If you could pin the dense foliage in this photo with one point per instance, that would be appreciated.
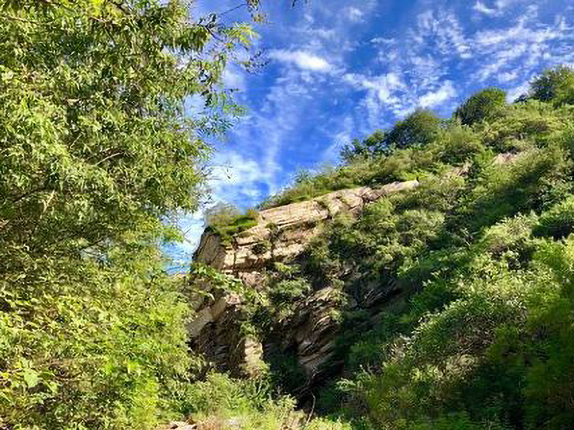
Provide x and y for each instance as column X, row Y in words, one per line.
column 555, row 86
column 226, row 220
column 96, row 153
column 481, row 106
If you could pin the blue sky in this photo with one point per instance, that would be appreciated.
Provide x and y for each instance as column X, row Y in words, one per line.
column 340, row 69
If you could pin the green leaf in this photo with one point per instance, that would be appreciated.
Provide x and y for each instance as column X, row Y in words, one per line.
column 31, row 377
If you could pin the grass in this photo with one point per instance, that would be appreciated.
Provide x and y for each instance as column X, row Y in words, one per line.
column 228, row 226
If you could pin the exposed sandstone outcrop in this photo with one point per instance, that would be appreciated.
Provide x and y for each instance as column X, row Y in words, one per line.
column 281, row 233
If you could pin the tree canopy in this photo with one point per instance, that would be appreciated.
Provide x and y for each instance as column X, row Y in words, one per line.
column 418, row 129
column 554, row 85
column 97, row 152
column 373, row 145
column 481, row 106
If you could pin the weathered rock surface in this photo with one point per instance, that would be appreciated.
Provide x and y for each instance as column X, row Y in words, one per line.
column 310, row 333
column 313, row 330
column 281, row 233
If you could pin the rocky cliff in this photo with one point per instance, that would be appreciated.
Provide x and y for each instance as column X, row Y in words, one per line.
column 281, row 235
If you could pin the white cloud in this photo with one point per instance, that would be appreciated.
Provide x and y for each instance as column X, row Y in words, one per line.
column 415, row 69
column 518, row 33
column 444, row 30
column 230, row 168
column 435, row 98
column 233, row 179
column 517, row 91
column 303, row 60
column 354, row 13
column 192, row 226
column 497, row 9
column 385, row 93
column 441, row 44
column 383, row 41
column 482, row 8
column 234, row 78
column 384, row 86
column 339, row 138
column 512, row 54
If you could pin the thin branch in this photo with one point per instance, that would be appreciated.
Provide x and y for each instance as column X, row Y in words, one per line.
column 310, row 413
column 215, row 36
column 16, row 18
column 5, row 223
column 29, row 193
column 46, row 205
column 233, row 9
column 116, row 154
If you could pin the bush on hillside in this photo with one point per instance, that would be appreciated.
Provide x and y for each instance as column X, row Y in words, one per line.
column 417, row 129
column 554, row 85
column 481, row 106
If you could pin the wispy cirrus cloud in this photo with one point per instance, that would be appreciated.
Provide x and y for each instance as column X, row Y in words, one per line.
column 493, row 8
column 442, row 54
column 353, row 13
column 303, row 60
column 434, row 98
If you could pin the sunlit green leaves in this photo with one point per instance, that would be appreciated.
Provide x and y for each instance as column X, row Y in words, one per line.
column 96, row 153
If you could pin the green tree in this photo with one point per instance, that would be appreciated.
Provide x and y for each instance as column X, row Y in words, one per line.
column 375, row 144
column 96, row 153
column 481, row 106
column 418, row 129
column 554, row 85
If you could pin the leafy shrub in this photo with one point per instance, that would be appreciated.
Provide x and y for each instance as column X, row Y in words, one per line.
column 246, row 403
column 454, row 421
column 510, row 235
column 373, row 146
column 558, row 221
column 554, row 85
column 526, row 125
column 76, row 351
column 227, row 222
column 418, row 129
column 456, row 145
column 505, row 190
column 325, row 424
column 483, row 105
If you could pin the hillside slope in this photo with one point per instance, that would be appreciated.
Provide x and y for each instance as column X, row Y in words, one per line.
column 447, row 303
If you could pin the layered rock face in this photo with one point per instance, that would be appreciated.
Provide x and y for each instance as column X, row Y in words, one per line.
column 281, row 234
